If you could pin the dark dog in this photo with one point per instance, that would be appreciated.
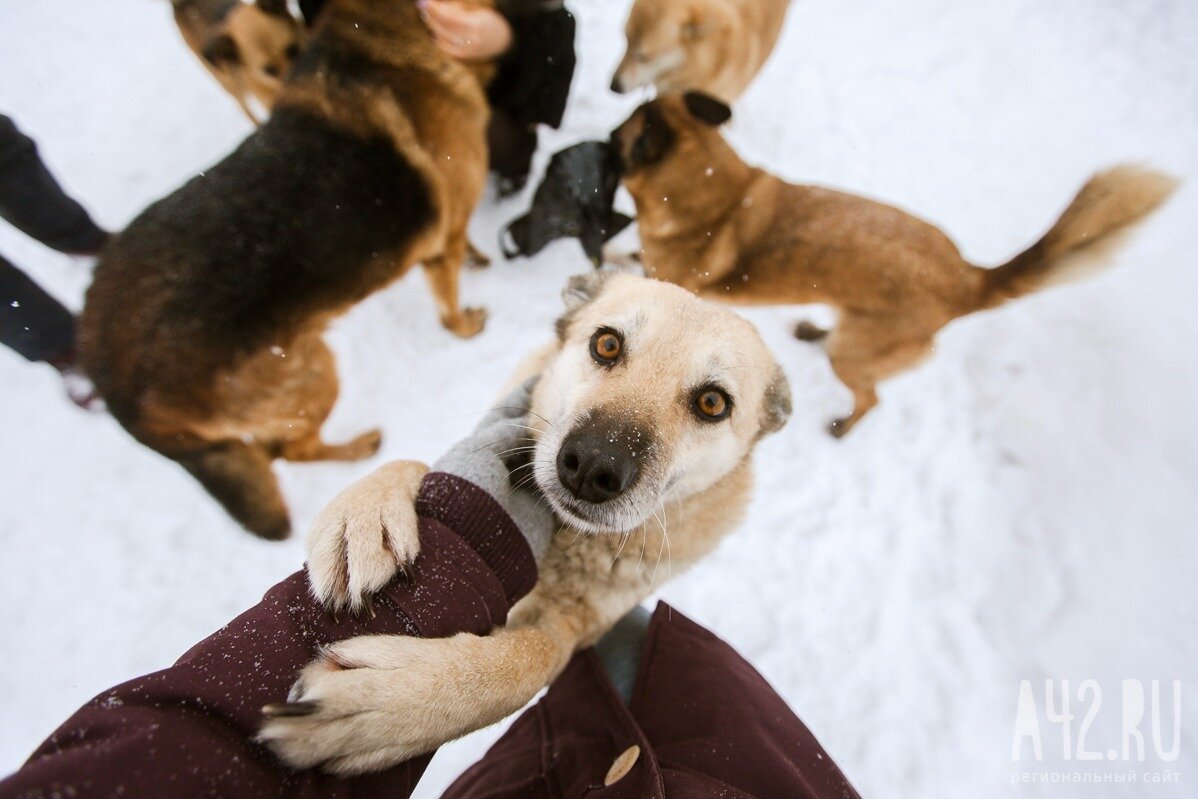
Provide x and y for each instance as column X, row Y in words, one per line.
column 574, row 200
column 203, row 326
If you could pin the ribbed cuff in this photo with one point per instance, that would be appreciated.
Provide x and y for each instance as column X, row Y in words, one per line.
column 483, row 524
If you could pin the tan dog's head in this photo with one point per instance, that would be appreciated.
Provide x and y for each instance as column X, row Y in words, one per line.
column 671, row 130
column 250, row 47
column 652, row 397
column 676, row 46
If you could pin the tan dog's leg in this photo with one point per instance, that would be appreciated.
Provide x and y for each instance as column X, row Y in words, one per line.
column 443, row 273
column 365, row 535
column 374, row 701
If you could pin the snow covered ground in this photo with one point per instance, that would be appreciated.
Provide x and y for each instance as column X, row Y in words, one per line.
column 1021, row 507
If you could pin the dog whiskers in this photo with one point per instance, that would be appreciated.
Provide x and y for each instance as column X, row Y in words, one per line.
column 623, row 543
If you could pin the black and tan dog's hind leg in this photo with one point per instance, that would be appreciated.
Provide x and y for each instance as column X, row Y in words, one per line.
column 444, row 273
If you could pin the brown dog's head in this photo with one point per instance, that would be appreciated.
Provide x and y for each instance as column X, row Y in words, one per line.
column 675, row 46
column 652, row 397
column 671, row 128
column 250, row 48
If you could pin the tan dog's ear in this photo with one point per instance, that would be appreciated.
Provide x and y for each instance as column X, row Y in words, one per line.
column 706, row 108
column 776, row 407
column 580, row 291
column 583, row 289
column 221, row 51
column 276, row 8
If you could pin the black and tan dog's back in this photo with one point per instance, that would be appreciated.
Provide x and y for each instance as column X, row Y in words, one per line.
column 203, row 326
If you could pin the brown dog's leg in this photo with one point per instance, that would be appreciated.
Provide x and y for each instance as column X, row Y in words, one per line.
column 862, row 355
column 312, row 448
column 442, row 273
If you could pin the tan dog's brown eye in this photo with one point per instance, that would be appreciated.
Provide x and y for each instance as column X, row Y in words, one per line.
column 272, row 70
column 712, row 405
column 606, row 346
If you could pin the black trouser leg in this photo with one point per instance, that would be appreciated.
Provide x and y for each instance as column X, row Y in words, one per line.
column 32, row 200
column 620, row 650
column 31, row 321
column 511, row 145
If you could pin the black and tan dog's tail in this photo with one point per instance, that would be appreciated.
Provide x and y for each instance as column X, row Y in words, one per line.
column 1075, row 247
column 240, row 478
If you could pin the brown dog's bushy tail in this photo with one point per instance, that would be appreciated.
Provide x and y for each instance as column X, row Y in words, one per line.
column 240, row 478
column 1074, row 248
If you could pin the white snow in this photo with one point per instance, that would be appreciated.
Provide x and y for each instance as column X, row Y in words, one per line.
column 1021, row 507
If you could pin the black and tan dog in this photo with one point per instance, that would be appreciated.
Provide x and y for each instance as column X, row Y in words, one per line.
column 203, row 326
column 728, row 231
column 248, row 47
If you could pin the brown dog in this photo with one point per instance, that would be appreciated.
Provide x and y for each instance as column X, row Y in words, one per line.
column 202, row 328
column 715, row 225
column 712, row 46
column 247, row 48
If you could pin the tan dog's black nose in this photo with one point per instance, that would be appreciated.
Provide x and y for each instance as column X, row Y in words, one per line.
column 594, row 468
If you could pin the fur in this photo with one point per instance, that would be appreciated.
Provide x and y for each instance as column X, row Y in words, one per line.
column 202, row 328
column 248, row 47
column 728, row 231
column 373, row 701
column 713, row 46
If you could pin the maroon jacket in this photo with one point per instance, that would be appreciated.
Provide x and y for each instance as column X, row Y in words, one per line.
column 187, row 731
column 703, row 721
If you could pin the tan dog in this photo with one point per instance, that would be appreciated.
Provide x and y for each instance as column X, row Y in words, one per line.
column 713, row 46
column 728, row 231
column 681, row 390
column 202, row 327
column 248, row 48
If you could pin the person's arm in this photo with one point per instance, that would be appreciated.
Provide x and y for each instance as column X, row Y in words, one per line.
column 190, row 730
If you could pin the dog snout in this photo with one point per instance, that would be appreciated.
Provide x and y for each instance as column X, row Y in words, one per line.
column 594, row 468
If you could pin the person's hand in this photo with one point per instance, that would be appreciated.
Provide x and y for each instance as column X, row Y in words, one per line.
column 471, row 33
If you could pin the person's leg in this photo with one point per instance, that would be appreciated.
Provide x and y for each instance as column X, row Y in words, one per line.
column 511, row 145
column 33, row 202
column 32, row 323
column 37, row 327
column 309, row 9
column 620, row 650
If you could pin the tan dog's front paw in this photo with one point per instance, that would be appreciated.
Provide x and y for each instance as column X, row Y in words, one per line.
column 365, row 535
column 373, row 701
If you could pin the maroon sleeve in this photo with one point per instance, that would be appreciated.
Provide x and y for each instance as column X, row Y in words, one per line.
column 187, row 731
